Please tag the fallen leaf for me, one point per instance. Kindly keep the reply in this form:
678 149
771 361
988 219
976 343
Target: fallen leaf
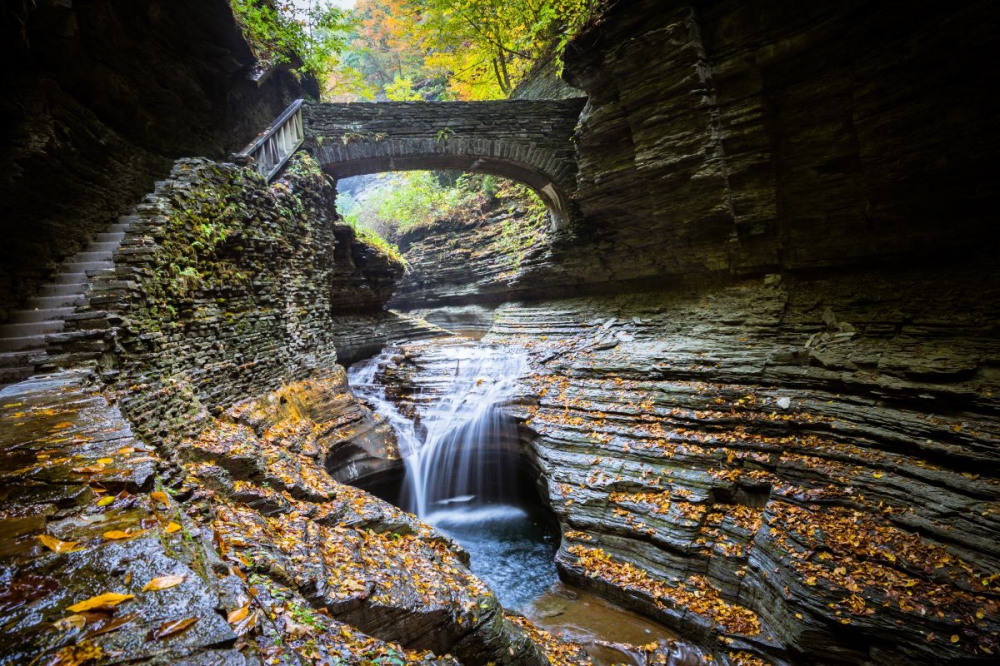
171 628
954 638
104 501
163 583
161 497
74 655
118 534
246 624
70 622
57 546
238 614
108 600
105 461
112 624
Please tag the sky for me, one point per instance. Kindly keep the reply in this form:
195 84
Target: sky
343 4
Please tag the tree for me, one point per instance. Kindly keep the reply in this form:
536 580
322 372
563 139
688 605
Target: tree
281 33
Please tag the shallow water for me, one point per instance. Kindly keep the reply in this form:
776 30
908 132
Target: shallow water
509 549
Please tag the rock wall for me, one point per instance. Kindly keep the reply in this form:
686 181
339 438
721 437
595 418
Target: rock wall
747 138
475 257
224 288
99 98
740 137
803 471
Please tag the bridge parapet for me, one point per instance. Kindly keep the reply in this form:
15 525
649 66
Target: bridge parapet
526 140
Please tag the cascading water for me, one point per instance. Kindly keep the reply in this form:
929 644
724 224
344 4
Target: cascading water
461 454
461 450
445 400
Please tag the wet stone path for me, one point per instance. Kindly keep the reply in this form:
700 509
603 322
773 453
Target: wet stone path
80 517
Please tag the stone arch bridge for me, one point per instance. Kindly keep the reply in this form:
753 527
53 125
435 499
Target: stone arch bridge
525 140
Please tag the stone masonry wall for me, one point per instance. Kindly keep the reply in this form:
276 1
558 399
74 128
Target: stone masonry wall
226 287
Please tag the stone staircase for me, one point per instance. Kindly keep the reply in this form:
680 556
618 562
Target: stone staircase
26 338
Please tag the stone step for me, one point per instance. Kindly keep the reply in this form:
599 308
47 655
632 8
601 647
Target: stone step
102 246
109 237
39 314
84 266
69 278
31 328
44 302
91 255
22 344
69 289
13 375
19 359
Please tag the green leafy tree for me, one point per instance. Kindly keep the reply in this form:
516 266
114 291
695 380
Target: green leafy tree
279 33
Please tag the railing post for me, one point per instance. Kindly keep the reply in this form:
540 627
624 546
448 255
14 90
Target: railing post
272 147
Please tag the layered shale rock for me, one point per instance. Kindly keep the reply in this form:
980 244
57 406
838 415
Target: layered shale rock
475 257
804 471
729 138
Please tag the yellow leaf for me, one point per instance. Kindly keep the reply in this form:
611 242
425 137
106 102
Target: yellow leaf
57 546
105 461
108 600
118 534
877 475
70 622
104 501
954 638
163 583
238 614
172 527
161 497
74 655
171 628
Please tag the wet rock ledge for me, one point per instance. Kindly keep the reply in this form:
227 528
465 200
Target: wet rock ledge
795 471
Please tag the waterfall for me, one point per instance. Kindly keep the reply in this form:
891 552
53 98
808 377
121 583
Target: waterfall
458 445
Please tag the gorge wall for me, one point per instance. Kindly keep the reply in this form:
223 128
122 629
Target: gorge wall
745 138
100 97
772 423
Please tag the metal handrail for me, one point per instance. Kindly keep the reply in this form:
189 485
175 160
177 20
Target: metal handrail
272 147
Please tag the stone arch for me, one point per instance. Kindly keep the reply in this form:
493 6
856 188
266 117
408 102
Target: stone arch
527 141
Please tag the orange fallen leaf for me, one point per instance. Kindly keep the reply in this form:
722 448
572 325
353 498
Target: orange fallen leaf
107 600
161 497
246 624
118 534
57 546
163 583
172 527
171 628
238 614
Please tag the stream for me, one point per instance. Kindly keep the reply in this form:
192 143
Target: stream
464 475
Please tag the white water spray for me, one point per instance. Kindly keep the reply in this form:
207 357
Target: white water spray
454 451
